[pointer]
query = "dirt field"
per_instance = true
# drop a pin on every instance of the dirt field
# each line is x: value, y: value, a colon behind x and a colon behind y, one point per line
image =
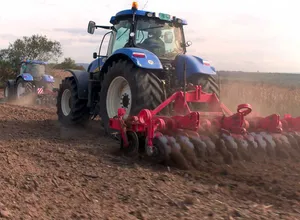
x: 48, y: 172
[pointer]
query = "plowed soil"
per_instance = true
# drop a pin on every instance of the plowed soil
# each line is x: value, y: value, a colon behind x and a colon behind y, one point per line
x: 49, y: 172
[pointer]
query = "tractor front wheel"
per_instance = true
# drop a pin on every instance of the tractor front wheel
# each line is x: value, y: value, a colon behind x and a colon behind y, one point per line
x: 130, y: 87
x: 70, y: 109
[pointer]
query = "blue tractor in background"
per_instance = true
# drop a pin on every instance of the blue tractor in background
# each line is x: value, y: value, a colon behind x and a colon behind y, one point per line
x: 32, y: 81
x: 144, y: 62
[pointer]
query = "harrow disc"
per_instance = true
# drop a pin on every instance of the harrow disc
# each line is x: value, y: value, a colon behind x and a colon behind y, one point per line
x: 133, y: 148
x: 187, y: 152
x: 161, y: 149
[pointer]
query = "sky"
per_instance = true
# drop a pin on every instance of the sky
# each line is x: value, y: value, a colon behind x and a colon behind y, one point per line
x: 232, y: 34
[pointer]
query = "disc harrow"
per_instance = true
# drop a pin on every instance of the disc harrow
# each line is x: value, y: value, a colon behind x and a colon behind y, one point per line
x: 188, y: 138
x: 46, y: 98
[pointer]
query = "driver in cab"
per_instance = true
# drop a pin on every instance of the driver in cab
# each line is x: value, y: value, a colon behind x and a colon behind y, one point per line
x: 154, y: 43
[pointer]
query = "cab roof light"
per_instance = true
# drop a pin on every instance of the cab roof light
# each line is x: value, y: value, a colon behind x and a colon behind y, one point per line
x: 134, y: 6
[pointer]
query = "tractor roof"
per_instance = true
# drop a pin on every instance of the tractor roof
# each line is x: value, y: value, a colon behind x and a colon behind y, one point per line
x: 161, y: 16
x: 34, y: 62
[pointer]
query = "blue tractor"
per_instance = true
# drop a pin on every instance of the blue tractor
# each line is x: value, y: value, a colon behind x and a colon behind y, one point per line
x: 144, y: 62
x: 32, y: 80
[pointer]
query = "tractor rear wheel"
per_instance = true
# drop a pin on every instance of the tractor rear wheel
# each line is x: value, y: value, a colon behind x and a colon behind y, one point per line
x: 23, y: 88
x: 129, y: 87
x: 70, y: 109
x: 9, y: 92
x: 209, y: 84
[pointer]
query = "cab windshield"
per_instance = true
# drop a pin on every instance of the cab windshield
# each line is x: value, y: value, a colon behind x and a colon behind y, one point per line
x: 36, y: 70
x: 165, y: 39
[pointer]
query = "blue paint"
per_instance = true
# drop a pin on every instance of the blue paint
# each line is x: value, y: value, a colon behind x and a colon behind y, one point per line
x: 150, y: 61
x: 48, y: 78
x: 194, y: 65
x: 138, y: 13
x: 93, y: 67
x: 26, y: 77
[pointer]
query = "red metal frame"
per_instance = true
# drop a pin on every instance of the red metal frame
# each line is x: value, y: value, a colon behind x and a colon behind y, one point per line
x: 149, y: 123
x: 219, y: 118
x: 290, y: 124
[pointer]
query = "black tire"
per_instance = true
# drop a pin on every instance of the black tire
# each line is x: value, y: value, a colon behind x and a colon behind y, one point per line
x: 29, y: 88
x: 9, y: 92
x: 79, y: 113
x: 209, y: 84
x: 146, y: 89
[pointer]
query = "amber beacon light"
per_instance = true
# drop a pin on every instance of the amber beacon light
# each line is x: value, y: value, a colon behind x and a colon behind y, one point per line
x: 134, y: 5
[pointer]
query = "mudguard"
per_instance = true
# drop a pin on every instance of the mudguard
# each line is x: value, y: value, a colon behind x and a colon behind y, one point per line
x: 82, y: 81
x: 11, y: 86
x: 48, y: 78
x: 26, y: 77
x: 194, y: 65
x: 96, y: 65
x: 140, y: 57
x: 11, y: 83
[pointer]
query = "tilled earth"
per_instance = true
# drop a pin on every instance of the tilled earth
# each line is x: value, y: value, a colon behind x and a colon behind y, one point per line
x: 49, y: 172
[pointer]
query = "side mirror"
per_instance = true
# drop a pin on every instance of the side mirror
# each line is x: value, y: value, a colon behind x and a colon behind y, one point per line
x: 168, y: 37
x: 188, y: 43
x: 95, y: 55
x: 91, y: 27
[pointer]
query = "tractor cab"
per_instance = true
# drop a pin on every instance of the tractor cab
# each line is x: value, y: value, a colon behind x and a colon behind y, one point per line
x: 37, y: 69
x: 159, y: 33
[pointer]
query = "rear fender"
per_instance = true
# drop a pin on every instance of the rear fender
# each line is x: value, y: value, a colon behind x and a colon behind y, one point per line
x: 82, y: 81
x: 48, y: 78
x: 11, y: 86
x: 194, y: 65
x: 140, y: 57
x: 26, y: 77
x: 11, y: 83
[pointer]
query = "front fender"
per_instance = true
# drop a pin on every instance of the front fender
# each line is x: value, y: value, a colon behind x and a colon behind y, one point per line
x: 96, y: 65
x: 48, y: 78
x: 140, y: 57
x: 82, y: 81
x: 26, y: 77
x: 194, y: 65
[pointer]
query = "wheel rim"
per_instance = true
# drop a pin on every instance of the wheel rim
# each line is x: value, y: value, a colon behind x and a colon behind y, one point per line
x: 118, y: 96
x: 20, y: 90
x: 66, y: 102
x: 6, y: 91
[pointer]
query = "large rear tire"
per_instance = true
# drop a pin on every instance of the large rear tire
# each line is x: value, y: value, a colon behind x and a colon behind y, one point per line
x: 23, y: 88
x: 71, y: 110
x: 209, y: 84
x: 9, y: 92
x: 129, y: 87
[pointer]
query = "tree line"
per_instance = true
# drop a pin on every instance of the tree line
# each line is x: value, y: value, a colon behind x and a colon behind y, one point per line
x: 35, y: 47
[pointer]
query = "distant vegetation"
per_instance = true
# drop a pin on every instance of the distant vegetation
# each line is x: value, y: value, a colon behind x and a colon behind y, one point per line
x: 41, y: 48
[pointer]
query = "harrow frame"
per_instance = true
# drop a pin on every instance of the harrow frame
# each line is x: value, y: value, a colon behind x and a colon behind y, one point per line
x: 238, y: 134
x: 149, y: 124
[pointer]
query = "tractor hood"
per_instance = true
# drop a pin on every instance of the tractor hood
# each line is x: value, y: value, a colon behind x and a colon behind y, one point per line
x: 194, y: 65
